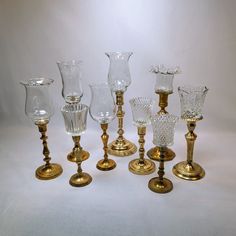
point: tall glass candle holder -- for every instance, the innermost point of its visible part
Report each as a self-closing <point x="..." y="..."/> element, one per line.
<point x="142" y="111"/>
<point x="191" y="100"/>
<point x="163" y="87"/>
<point x="75" y="118"/>
<point x="119" y="79"/>
<point x="163" y="136"/>
<point x="71" y="80"/>
<point x="103" y="110"/>
<point x="38" y="107"/>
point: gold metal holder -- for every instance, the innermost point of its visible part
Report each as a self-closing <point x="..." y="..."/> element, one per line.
<point x="154" y="153"/>
<point x="81" y="178"/>
<point x="77" y="147"/>
<point x="105" y="164"/>
<point x="121" y="147"/>
<point x="141" y="166"/>
<point x="49" y="170"/>
<point x="189" y="170"/>
<point x="160" y="184"/>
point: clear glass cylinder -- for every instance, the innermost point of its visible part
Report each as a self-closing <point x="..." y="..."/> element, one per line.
<point x="38" y="103"/>
<point x="164" y="83"/>
<point x="71" y="80"/>
<point x="119" y="74"/>
<point x="191" y="101"/>
<point x="141" y="110"/>
<point x="102" y="107"/>
<point x="163" y="129"/>
<point x="75" y="118"/>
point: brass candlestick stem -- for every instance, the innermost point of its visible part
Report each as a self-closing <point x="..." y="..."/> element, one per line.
<point x="189" y="170"/>
<point x="77" y="147"/>
<point x="49" y="170"/>
<point x="105" y="164"/>
<point x="160" y="184"/>
<point x="81" y="178"/>
<point x="141" y="166"/>
<point x="121" y="146"/>
<point x="154" y="153"/>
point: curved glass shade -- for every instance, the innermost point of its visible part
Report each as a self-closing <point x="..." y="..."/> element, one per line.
<point x="163" y="129"/>
<point x="102" y="107"/>
<point x="191" y="101"/>
<point x="71" y="80"/>
<point x="38" y="103"/>
<point x="141" y="110"/>
<point x="164" y="83"/>
<point x="75" y="118"/>
<point x="119" y="74"/>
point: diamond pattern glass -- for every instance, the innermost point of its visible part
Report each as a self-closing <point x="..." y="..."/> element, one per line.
<point x="192" y="100"/>
<point x="141" y="110"/>
<point x="163" y="129"/>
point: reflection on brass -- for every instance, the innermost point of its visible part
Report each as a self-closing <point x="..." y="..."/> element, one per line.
<point x="105" y="164"/>
<point x="154" y="153"/>
<point x="189" y="170"/>
<point x="121" y="146"/>
<point x="160" y="184"/>
<point x="141" y="166"/>
<point x="77" y="147"/>
<point x="81" y="178"/>
<point x="49" y="170"/>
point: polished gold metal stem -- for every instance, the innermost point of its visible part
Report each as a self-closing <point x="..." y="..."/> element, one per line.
<point x="49" y="170"/>
<point x="189" y="170"/>
<point x="160" y="184"/>
<point x="105" y="164"/>
<point x="121" y="146"/>
<point x="163" y="103"/>
<point x="141" y="141"/>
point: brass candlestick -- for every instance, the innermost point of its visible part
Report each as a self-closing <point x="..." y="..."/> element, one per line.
<point x="160" y="184"/>
<point x="81" y="178"/>
<point x="105" y="164"/>
<point x="141" y="166"/>
<point x="49" y="170"/>
<point x="121" y="146"/>
<point x="154" y="153"/>
<point x="77" y="147"/>
<point x="189" y="170"/>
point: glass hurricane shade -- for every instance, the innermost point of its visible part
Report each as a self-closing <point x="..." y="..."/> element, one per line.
<point x="163" y="129"/>
<point x="75" y="118"/>
<point x="164" y="83"/>
<point x="71" y="80"/>
<point x="119" y="74"/>
<point x="102" y="107"/>
<point x="38" y="103"/>
<point x="191" y="102"/>
<point x="141" y="110"/>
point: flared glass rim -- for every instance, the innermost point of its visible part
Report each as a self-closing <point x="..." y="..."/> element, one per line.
<point x="119" y="53"/>
<point x="148" y="101"/>
<point x="169" y="118"/>
<point x="72" y="62"/>
<point x="37" y="81"/>
<point x="79" y="108"/>
<point x="189" y="89"/>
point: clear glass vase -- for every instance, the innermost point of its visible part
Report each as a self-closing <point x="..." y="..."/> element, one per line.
<point x="71" y="80"/>
<point x="119" y="74"/>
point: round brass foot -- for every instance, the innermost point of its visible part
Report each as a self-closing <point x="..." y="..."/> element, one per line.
<point x="158" y="186"/>
<point x="106" y="165"/>
<point x="47" y="172"/>
<point x="84" y="155"/>
<point x="187" y="171"/>
<point x="121" y="148"/>
<point x="80" y="180"/>
<point x="154" y="154"/>
<point x="145" y="168"/>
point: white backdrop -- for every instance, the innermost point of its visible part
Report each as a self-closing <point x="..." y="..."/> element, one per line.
<point x="199" y="36"/>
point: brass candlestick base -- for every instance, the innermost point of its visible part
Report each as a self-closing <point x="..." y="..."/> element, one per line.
<point x="72" y="156"/>
<point x="141" y="166"/>
<point x="154" y="153"/>
<point x="121" y="147"/>
<point x="160" y="184"/>
<point x="80" y="180"/>
<point x="105" y="164"/>
<point x="49" y="170"/>
<point x="189" y="170"/>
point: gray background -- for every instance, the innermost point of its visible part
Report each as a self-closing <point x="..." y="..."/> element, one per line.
<point x="199" y="36"/>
